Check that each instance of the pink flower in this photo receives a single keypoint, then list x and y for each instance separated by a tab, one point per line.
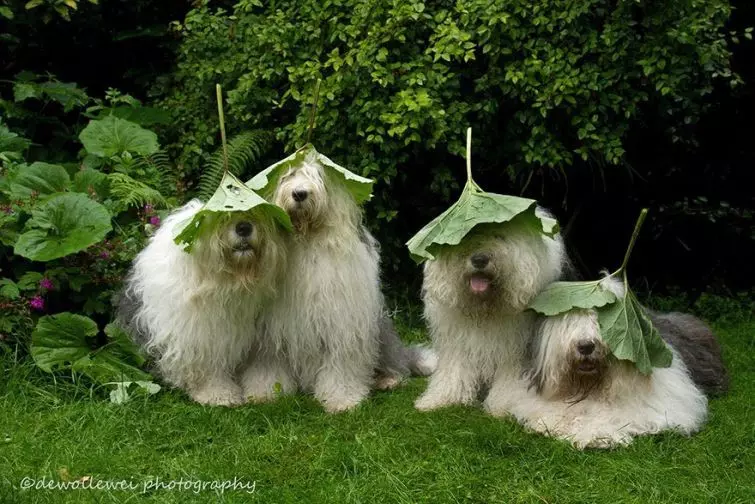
37	303
105	254
46	283
154	220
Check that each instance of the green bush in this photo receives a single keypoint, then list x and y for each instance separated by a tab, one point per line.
546	84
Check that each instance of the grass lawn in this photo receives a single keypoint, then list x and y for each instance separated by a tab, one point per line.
385	451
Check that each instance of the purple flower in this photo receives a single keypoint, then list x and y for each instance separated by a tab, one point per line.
46	283
154	220
37	303
105	254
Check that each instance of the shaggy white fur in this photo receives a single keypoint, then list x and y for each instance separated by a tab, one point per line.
475	296
196	313
579	392
328	322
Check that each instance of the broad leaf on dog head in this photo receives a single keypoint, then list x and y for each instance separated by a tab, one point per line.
231	196
266	180
560	297
475	207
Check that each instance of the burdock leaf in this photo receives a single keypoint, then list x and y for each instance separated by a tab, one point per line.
112	136
64	224
266	180
630	335
475	207
560	297
231	196
62	342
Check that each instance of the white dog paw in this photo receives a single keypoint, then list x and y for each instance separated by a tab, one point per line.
429	403
228	394
338	405
387	382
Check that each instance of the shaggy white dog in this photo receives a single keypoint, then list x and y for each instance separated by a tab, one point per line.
475	297
196	312
576	390
327	332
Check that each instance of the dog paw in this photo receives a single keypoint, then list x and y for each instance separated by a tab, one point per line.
219	395
429	403
341	404
387	382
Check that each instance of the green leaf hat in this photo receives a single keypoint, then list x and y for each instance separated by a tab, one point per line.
266	180
231	196
473	208
624	326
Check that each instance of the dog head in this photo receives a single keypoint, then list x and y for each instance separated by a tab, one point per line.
570	359
496	269
247	247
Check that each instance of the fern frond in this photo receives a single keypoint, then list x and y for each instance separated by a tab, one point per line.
132	193
243	150
159	164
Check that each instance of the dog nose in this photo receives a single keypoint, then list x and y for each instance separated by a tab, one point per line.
585	347
299	195
244	228
479	261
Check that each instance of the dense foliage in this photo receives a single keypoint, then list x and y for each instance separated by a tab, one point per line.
550	86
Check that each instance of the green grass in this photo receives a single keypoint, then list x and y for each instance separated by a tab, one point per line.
384	451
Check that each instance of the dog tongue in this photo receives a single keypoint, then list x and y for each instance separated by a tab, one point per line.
479	284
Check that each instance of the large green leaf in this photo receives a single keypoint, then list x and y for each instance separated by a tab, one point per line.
112	136
64	341
475	207
11	144
560	297
266	180
231	196
64	224
40	178
630	334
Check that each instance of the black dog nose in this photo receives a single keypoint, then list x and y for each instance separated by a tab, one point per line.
244	228
585	347
299	195
479	261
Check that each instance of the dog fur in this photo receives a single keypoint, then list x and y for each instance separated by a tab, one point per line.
475	296
196	313
328	330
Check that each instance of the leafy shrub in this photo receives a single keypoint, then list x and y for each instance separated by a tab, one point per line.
547	84
68	232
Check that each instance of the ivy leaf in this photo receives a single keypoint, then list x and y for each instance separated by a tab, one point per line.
112	136
475	207
631	336
41	178
266	180
560	297
64	224
62	341
231	196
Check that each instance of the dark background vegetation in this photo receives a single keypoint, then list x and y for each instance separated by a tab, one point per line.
699	236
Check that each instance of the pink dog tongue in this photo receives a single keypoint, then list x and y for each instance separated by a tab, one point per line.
479	284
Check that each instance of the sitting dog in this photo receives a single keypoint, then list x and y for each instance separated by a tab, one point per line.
475	296
328	333
195	313
576	390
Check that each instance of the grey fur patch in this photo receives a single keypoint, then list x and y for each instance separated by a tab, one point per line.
127	305
395	357
698	348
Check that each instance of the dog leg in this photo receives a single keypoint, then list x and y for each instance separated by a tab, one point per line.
219	390
454	382
342	383
265	378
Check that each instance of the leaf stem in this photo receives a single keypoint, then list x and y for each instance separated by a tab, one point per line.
635	234
469	155
313	111
219	95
